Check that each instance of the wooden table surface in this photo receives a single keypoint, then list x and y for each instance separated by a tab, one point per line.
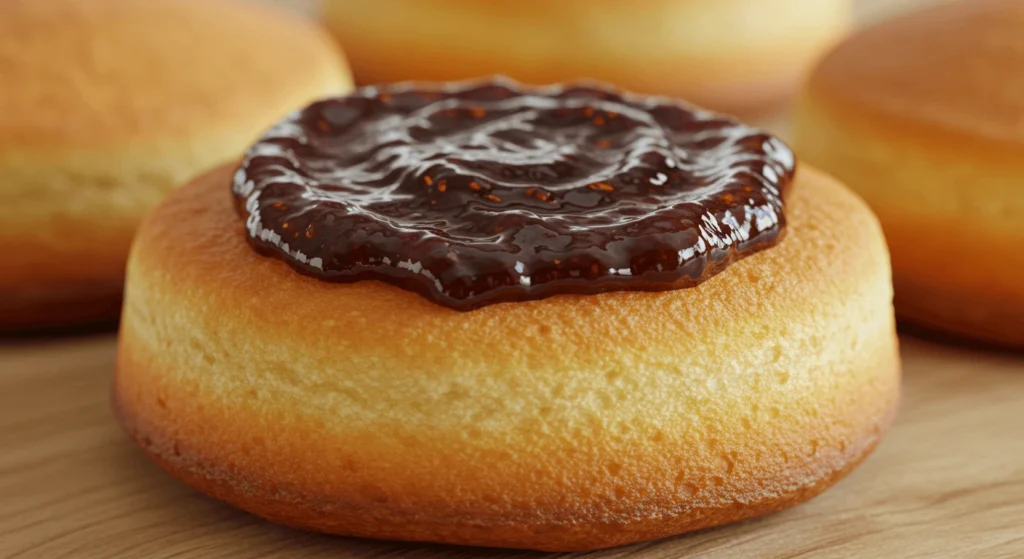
947	481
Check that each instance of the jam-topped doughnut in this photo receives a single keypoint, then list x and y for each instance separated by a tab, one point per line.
489	193
573	421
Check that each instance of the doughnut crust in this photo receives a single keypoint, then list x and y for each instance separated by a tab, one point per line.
931	138
742	56
573	422
105	107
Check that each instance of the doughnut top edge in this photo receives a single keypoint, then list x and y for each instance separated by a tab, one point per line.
487	192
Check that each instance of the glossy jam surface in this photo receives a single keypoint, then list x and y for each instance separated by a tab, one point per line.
488	193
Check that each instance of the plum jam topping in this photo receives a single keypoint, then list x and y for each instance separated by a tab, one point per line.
477	194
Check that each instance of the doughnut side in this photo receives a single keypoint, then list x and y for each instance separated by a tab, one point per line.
69	218
735	55
949	205
574	422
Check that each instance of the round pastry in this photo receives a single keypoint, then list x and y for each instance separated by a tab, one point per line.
108	105
921	115
554	319
742	56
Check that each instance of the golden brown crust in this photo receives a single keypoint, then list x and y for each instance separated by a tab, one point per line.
976	315
741	56
363	511
929	139
108	105
71	274
26	308
573	422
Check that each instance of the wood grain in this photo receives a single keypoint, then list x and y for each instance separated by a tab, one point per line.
948	481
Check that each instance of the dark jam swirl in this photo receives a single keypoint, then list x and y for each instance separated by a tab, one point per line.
490	193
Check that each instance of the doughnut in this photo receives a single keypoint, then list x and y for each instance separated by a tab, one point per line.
741	56
556	318
932	140
105	107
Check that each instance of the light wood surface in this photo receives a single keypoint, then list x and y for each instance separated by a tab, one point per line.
948	480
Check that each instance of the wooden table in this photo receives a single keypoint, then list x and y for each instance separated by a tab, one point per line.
947	481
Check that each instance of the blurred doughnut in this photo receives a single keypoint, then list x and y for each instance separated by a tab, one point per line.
109	104
739	56
922	116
